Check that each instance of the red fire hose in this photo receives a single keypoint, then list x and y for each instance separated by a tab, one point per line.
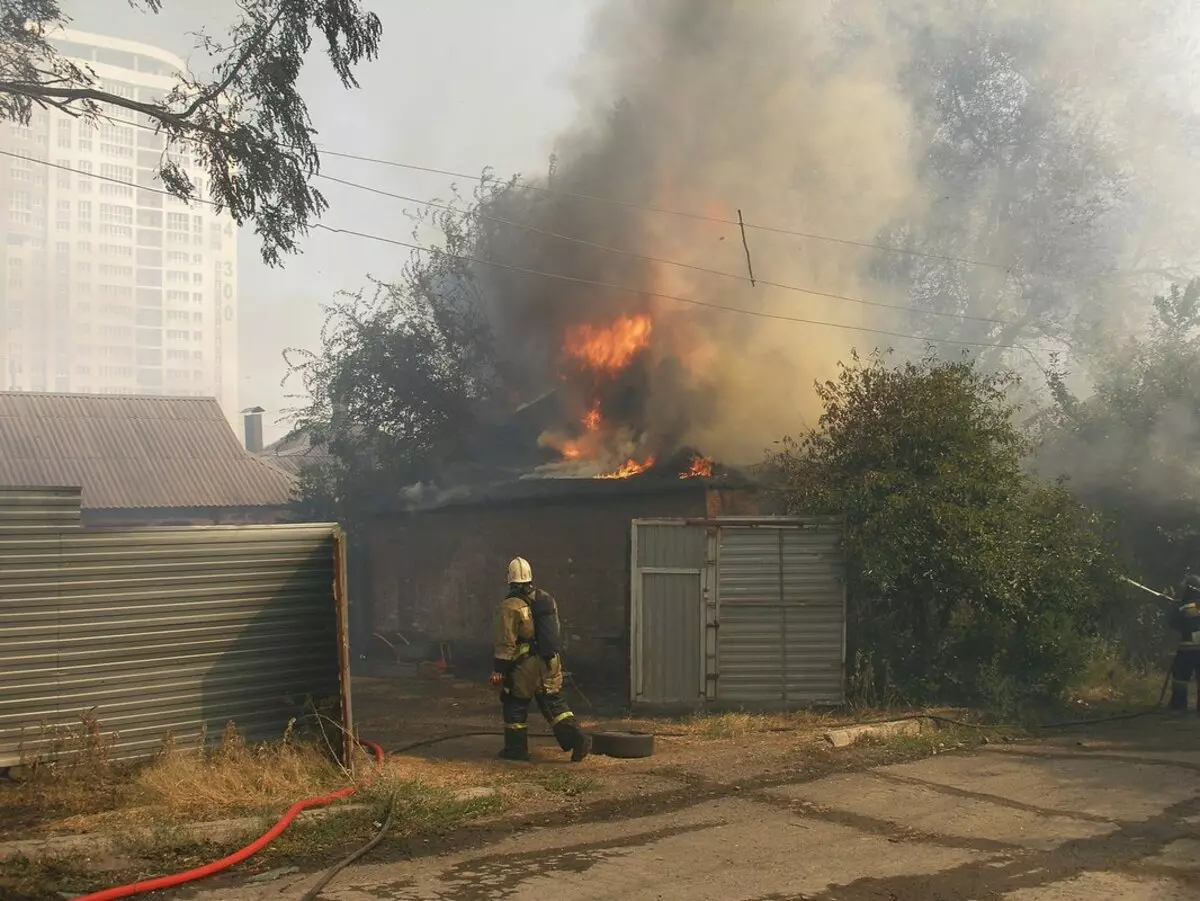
177	879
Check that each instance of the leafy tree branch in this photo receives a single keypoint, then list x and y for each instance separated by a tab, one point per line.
247	122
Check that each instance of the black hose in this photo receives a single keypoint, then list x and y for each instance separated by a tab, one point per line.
315	891
1063	724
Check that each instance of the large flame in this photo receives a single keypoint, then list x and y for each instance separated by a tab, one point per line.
594	355
602	352
607	350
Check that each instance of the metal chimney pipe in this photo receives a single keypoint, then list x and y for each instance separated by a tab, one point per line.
253	428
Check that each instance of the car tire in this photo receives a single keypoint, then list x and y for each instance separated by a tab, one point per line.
623	745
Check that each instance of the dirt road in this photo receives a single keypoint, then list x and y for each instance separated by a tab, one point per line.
1114	815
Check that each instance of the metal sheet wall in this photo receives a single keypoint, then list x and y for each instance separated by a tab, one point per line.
670	637
667	628
166	631
738	612
29	510
667	546
782	612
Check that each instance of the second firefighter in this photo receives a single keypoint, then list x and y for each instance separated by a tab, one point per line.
527	667
1186	666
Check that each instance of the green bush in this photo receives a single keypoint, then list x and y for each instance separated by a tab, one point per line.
969	580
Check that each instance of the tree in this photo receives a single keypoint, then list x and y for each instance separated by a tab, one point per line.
404	374
1017	176
968	580
247	120
1130	448
1048	186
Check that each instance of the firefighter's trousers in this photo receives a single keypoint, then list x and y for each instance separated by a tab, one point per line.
537	679
1185	668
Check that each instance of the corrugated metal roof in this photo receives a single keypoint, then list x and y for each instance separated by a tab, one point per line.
133	452
295	452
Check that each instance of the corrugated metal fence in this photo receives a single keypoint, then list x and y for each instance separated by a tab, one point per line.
29	510
168	631
747	612
782	616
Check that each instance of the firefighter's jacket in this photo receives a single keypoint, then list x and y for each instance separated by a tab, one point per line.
1187	621
528	667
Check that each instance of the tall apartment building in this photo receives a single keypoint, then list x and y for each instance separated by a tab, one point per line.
108	288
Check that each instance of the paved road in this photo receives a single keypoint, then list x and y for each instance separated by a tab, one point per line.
1114	816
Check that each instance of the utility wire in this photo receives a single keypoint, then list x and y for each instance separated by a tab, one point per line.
597	198
652	259
672	297
570	278
812	236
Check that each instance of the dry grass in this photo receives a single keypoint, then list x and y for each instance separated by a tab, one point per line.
719	726
419	810
236	777
74	786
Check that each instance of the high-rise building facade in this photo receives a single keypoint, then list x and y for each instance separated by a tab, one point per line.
108	286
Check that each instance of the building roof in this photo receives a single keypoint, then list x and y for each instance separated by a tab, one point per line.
130	452
567	490
295	452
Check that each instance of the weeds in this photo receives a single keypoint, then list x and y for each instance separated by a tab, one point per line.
83	750
1109	679
235	777
73	781
420	809
561	782
28	879
931	741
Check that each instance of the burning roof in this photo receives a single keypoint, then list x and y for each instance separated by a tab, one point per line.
655	482
602	372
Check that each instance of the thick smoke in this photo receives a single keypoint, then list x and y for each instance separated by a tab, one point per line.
819	117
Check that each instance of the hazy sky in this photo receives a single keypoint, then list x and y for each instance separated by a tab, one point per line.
500	105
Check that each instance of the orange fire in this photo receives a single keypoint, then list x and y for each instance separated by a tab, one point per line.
603	351
628	469
700	467
578	448
592	419
609	349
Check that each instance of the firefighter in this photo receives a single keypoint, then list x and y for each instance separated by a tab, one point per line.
1186	618
527	666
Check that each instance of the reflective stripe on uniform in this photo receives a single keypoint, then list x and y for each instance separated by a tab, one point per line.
516	725
562	716
522	651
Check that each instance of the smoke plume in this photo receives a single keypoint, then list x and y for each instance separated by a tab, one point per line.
851	119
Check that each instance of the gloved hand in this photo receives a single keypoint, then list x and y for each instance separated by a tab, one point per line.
496	680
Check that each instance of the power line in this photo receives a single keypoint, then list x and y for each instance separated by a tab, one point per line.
653	259
567	278
597	198
115	181
673	297
625	204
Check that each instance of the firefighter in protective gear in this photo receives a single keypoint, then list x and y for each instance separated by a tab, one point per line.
1186	619
527	666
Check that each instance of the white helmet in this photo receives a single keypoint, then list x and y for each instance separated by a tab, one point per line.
519	571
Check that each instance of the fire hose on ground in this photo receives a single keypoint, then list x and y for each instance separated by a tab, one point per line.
178	879
210	869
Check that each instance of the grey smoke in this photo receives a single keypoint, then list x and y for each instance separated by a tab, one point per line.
808	116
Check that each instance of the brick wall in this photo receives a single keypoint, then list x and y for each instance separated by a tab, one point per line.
440	574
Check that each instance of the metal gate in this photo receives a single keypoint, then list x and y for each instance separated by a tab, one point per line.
737	612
